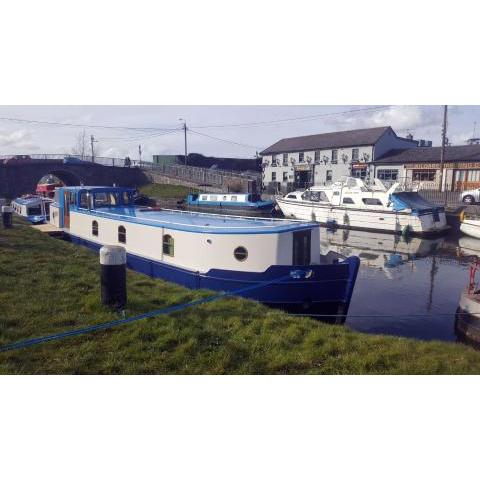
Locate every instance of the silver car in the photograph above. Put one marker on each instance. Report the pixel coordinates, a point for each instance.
(470, 196)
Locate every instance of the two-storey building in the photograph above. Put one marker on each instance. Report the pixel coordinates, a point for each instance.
(300, 162)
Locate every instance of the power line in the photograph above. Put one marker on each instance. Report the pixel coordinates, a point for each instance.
(295, 119)
(140, 137)
(41, 122)
(224, 140)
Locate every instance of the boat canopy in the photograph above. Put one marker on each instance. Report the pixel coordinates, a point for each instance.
(414, 201)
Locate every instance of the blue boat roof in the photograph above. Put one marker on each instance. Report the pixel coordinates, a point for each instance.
(200, 222)
(32, 199)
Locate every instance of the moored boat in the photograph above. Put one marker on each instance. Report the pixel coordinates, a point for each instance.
(225, 202)
(467, 316)
(217, 252)
(470, 223)
(351, 204)
(35, 208)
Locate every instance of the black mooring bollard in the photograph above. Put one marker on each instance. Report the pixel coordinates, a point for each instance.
(7, 216)
(113, 261)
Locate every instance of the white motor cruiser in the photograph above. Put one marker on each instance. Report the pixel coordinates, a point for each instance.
(349, 203)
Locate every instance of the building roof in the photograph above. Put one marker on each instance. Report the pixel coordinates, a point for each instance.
(349, 138)
(459, 153)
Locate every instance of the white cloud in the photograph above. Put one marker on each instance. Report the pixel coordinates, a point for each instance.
(17, 139)
(399, 117)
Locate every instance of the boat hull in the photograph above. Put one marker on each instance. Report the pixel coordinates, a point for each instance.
(369, 220)
(327, 292)
(471, 228)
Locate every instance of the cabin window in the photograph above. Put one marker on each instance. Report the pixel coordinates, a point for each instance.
(213, 198)
(122, 234)
(204, 197)
(83, 200)
(285, 160)
(224, 199)
(240, 253)
(317, 196)
(334, 156)
(34, 211)
(234, 198)
(105, 199)
(291, 196)
(168, 245)
(306, 195)
(348, 200)
(371, 201)
(95, 228)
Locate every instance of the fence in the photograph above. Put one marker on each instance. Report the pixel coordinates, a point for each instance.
(71, 159)
(199, 175)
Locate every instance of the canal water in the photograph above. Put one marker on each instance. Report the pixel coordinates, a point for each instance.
(409, 288)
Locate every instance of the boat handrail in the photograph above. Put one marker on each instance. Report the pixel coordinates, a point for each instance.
(163, 222)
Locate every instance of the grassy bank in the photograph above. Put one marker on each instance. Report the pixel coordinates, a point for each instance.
(157, 190)
(47, 286)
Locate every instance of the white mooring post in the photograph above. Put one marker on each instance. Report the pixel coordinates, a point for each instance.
(7, 216)
(113, 262)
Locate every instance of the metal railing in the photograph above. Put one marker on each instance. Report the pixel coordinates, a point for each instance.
(200, 175)
(66, 158)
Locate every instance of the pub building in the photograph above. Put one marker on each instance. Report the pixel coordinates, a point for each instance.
(421, 165)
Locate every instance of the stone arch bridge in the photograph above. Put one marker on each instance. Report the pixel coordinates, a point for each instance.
(18, 179)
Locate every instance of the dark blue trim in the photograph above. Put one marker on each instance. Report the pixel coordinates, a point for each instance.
(330, 284)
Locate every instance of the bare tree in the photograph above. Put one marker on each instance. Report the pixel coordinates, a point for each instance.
(81, 145)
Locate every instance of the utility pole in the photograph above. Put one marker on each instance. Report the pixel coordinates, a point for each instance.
(92, 140)
(442, 151)
(185, 137)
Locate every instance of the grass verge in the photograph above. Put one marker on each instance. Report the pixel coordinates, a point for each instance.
(47, 286)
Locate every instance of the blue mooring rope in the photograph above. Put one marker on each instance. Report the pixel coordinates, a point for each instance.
(294, 274)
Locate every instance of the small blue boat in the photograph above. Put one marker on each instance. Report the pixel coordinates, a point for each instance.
(35, 208)
(226, 201)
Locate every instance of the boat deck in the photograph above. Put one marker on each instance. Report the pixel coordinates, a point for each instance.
(199, 222)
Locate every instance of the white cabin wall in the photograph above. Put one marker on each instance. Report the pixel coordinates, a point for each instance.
(192, 251)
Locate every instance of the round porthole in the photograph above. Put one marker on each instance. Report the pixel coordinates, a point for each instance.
(240, 253)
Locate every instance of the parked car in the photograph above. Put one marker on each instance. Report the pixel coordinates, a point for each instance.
(470, 197)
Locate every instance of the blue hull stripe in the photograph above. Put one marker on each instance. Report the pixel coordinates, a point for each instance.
(329, 284)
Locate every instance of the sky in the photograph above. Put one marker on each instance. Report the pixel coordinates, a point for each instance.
(238, 131)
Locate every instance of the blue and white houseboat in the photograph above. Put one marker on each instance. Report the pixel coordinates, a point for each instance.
(248, 202)
(217, 252)
(35, 208)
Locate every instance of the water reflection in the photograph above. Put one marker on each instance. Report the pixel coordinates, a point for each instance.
(404, 279)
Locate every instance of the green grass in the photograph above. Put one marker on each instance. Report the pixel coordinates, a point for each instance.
(157, 190)
(47, 286)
